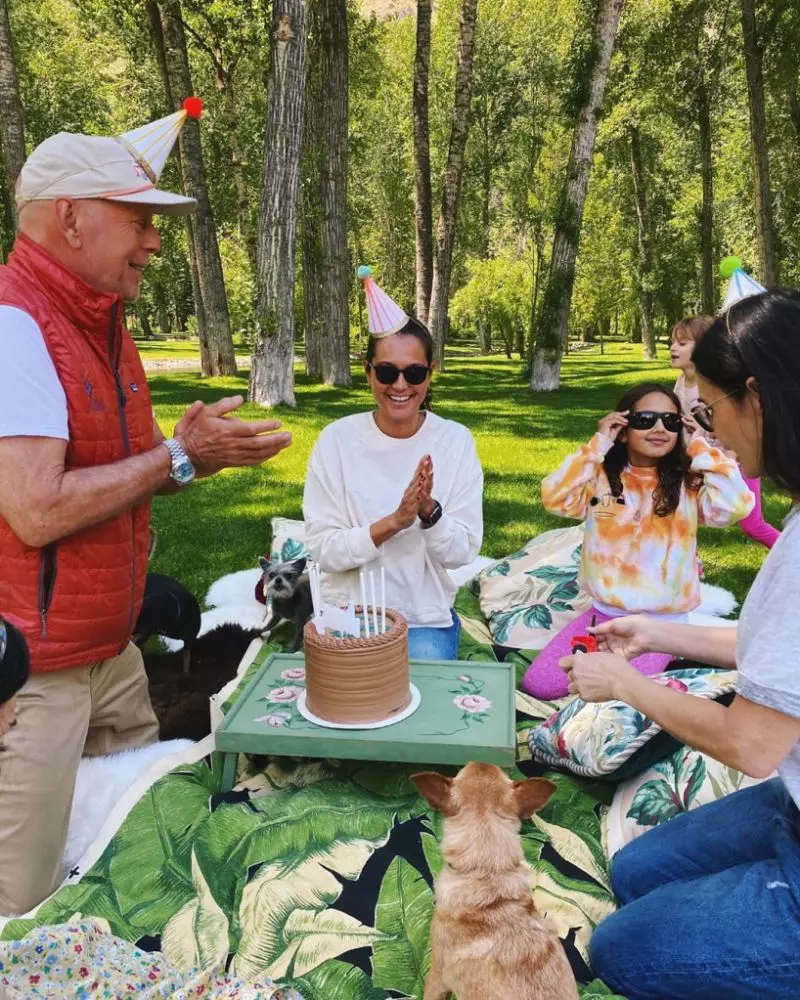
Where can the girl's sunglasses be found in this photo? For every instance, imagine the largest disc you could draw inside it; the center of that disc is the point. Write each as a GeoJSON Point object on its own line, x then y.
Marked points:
{"type": "Point", "coordinates": [388, 374]}
{"type": "Point", "coordinates": [645, 420]}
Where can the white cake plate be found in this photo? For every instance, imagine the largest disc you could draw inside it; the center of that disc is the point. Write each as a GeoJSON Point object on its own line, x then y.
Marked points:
{"type": "Point", "coordinates": [414, 704]}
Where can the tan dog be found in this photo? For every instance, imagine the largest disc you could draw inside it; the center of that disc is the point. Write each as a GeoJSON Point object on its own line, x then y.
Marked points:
{"type": "Point", "coordinates": [487, 940]}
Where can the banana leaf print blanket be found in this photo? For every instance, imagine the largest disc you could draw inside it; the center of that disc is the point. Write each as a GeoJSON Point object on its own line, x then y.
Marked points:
{"type": "Point", "coordinates": [317, 874]}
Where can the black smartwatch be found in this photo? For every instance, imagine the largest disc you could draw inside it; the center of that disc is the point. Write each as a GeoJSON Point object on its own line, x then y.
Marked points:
{"type": "Point", "coordinates": [434, 516]}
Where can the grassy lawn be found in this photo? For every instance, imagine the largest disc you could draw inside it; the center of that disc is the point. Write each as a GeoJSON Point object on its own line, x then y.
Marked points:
{"type": "Point", "coordinates": [222, 524]}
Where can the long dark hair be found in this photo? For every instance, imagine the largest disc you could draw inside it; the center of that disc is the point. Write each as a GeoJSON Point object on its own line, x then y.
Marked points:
{"type": "Point", "coordinates": [413, 328]}
{"type": "Point", "coordinates": [673, 469]}
{"type": "Point", "coordinates": [759, 338]}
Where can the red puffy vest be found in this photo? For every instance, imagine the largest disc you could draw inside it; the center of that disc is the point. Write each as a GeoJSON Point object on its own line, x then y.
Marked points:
{"type": "Point", "coordinates": [76, 600]}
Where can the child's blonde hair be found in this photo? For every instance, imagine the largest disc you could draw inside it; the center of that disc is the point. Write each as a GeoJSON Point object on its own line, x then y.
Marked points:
{"type": "Point", "coordinates": [692, 328]}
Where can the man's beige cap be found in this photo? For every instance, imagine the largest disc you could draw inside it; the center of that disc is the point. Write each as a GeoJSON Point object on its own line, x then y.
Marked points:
{"type": "Point", "coordinates": [125, 168]}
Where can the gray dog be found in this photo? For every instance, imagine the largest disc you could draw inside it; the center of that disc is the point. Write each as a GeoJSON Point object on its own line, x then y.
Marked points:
{"type": "Point", "coordinates": [288, 591]}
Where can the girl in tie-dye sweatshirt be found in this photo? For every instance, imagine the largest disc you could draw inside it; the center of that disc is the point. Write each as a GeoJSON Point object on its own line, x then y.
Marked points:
{"type": "Point", "coordinates": [642, 493]}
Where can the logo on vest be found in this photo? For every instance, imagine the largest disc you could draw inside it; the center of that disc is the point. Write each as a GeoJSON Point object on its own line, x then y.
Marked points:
{"type": "Point", "coordinates": [133, 386]}
{"type": "Point", "coordinates": [95, 405]}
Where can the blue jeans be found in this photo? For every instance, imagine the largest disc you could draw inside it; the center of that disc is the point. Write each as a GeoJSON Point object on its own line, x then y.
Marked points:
{"type": "Point", "coordinates": [435, 643]}
{"type": "Point", "coordinates": [710, 904]}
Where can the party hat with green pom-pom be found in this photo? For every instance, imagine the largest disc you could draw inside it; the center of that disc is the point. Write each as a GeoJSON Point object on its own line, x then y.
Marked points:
{"type": "Point", "coordinates": [384, 315]}
{"type": "Point", "coordinates": [740, 284]}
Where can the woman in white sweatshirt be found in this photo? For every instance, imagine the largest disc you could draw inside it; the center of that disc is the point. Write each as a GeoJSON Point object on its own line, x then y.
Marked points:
{"type": "Point", "coordinates": [398, 487]}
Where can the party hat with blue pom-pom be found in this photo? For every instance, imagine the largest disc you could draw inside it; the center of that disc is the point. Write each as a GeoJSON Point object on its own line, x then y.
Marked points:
{"type": "Point", "coordinates": [740, 285]}
{"type": "Point", "coordinates": [384, 315]}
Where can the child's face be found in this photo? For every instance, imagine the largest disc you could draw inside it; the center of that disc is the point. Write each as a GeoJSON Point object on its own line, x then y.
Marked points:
{"type": "Point", "coordinates": [680, 353]}
{"type": "Point", "coordinates": [647, 446]}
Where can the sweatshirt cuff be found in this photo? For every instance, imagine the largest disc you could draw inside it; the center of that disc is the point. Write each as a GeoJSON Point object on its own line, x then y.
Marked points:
{"type": "Point", "coordinates": [601, 444]}
{"type": "Point", "coordinates": [361, 544]}
{"type": "Point", "coordinates": [436, 531]}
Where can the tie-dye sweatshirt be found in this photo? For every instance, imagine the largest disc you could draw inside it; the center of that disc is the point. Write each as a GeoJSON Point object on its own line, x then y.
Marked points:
{"type": "Point", "coordinates": [633, 559]}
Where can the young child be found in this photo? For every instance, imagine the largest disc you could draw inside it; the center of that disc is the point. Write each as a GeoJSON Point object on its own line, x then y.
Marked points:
{"type": "Point", "coordinates": [684, 336]}
{"type": "Point", "coordinates": [642, 493]}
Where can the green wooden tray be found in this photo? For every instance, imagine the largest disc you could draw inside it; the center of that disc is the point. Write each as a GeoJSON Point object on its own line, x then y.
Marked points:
{"type": "Point", "coordinates": [467, 713]}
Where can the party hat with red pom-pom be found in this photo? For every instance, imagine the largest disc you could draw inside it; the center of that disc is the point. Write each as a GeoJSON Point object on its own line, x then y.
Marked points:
{"type": "Point", "coordinates": [151, 144]}
{"type": "Point", "coordinates": [384, 315]}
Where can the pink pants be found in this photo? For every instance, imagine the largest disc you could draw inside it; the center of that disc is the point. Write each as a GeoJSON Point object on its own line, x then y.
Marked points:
{"type": "Point", "coordinates": [546, 680]}
{"type": "Point", "coordinates": [754, 525]}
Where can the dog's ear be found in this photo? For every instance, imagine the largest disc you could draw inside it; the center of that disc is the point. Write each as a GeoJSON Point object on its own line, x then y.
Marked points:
{"type": "Point", "coordinates": [437, 790]}
{"type": "Point", "coordinates": [530, 795]}
{"type": "Point", "coordinates": [298, 565]}
{"type": "Point", "coordinates": [263, 563]}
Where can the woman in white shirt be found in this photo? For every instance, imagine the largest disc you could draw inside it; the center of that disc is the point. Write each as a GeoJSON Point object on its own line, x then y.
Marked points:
{"type": "Point", "coordinates": [398, 487]}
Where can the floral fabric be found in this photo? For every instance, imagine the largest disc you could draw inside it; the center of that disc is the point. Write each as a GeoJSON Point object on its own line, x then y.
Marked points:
{"type": "Point", "coordinates": [83, 960]}
{"type": "Point", "coordinates": [532, 594]}
{"type": "Point", "coordinates": [685, 780]}
{"type": "Point", "coordinates": [596, 740]}
{"type": "Point", "coordinates": [288, 540]}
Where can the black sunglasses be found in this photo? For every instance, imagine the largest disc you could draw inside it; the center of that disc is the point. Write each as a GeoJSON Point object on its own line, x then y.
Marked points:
{"type": "Point", "coordinates": [644, 420]}
{"type": "Point", "coordinates": [388, 374]}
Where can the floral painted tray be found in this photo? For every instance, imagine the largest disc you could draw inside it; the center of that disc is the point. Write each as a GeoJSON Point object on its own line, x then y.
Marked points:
{"type": "Point", "coordinates": [467, 713]}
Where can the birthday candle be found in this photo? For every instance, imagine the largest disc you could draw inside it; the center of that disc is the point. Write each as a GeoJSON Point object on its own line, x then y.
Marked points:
{"type": "Point", "coordinates": [374, 601]}
{"type": "Point", "coordinates": [383, 599]}
{"type": "Point", "coordinates": [364, 602]}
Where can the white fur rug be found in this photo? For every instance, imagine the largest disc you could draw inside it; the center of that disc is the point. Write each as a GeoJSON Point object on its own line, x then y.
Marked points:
{"type": "Point", "coordinates": [101, 783]}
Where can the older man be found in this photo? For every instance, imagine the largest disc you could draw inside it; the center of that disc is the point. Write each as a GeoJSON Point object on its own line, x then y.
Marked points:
{"type": "Point", "coordinates": [80, 458]}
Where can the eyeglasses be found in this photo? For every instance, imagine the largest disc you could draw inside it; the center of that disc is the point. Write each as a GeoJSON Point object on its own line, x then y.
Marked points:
{"type": "Point", "coordinates": [644, 420]}
{"type": "Point", "coordinates": [388, 374]}
{"type": "Point", "coordinates": [703, 413]}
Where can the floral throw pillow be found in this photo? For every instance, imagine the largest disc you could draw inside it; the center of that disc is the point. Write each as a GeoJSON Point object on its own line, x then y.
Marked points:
{"type": "Point", "coordinates": [288, 540]}
{"type": "Point", "coordinates": [532, 594]}
{"type": "Point", "coordinates": [612, 740]}
{"type": "Point", "coordinates": [681, 782]}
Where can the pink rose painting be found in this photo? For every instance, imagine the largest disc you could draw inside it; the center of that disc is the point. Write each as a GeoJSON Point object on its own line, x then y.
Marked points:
{"type": "Point", "coordinates": [274, 719]}
{"type": "Point", "coordinates": [293, 674]}
{"type": "Point", "coordinates": [472, 703]}
{"type": "Point", "coordinates": [284, 695]}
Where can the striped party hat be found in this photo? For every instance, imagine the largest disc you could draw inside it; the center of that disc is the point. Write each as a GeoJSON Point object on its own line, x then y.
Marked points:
{"type": "Point", "coordinates": [151, 144]}
{"type": "Point", "coordinates": [384, 315]}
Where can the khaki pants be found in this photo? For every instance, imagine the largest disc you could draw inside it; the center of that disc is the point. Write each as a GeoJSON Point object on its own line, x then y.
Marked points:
{"type": "Point", "coordinates": [61, 716]}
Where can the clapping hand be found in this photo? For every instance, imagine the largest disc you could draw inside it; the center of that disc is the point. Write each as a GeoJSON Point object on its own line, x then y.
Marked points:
{"type": "Point", "coordinates": [425, 470]}
{"type": "Point", "coordinates": [213, 440]}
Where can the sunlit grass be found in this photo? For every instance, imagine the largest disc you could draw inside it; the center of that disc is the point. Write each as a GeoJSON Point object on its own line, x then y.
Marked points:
{"type": "Point", "coordinates": [221, 525]}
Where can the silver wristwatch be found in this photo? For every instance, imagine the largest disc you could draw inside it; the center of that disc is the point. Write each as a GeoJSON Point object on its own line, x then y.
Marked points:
{"type": "Point", "coordinates": [182, 471]}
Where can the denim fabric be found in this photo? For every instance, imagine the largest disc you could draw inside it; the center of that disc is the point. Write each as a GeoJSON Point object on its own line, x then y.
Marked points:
{"type": "Point", "coordinates": [435, 643]}
{"type": "Point", "coordinates": [710, 904]}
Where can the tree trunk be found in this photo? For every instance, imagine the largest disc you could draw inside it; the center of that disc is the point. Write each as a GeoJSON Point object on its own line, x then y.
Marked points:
{"type": "Point", "coordinates": [794, 110]}
{"type": "Point", "coordinates": [765, 228]}
{"type": "Point", "coordinates": [423, 211]}
{"type": "Point", "coordinates": [162, 311]}
{"type": "Point", "coordinates": [335, 263]}
{"type": "Point", "coordinates": [451, 182]}
{"type": "Point", "coordinates": [12, 125]}
{"type": "Point", "coordinates": [144, 320]}
{"type": "Point", "coordinates": [216, 344]}
{"type": "Point", "coordinates": [272, 369]}
{"type": "Point", "coordinates": [157, 32]}
{"type": "Point", "coordinates": [484, 337]}
{"type": "Point", "coordinates": [311, 208]}
{"type": "Point", "coordinates": [707, 209]}
{"type": "Point", "coordinates": [645, 250]}
{"type": "Point", "coordinates": [551, 327]}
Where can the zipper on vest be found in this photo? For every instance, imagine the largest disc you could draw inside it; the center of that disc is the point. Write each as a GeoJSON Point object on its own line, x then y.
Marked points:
{"type": "Point", "coordinates": [47, 582]}
{"type": "Point", "coordinates": [114, 355]}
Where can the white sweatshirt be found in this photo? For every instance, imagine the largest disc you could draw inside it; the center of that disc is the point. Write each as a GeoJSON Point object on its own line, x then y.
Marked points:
{"type": "Point", "coordinates": [356, 475]}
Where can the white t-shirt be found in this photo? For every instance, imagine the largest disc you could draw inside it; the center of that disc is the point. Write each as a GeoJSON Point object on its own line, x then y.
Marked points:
{"type": "Point", "coordinates": [32, 399]}
{"type": "Point", "coordinates": [356, 475]}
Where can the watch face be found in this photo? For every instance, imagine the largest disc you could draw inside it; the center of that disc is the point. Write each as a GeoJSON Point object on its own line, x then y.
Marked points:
{"type": "Point", "coordinates": [183, 473]}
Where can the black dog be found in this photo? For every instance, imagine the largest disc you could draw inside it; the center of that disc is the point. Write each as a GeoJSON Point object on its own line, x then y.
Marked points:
{"type": "Point", "coordinates": [286, 587]}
